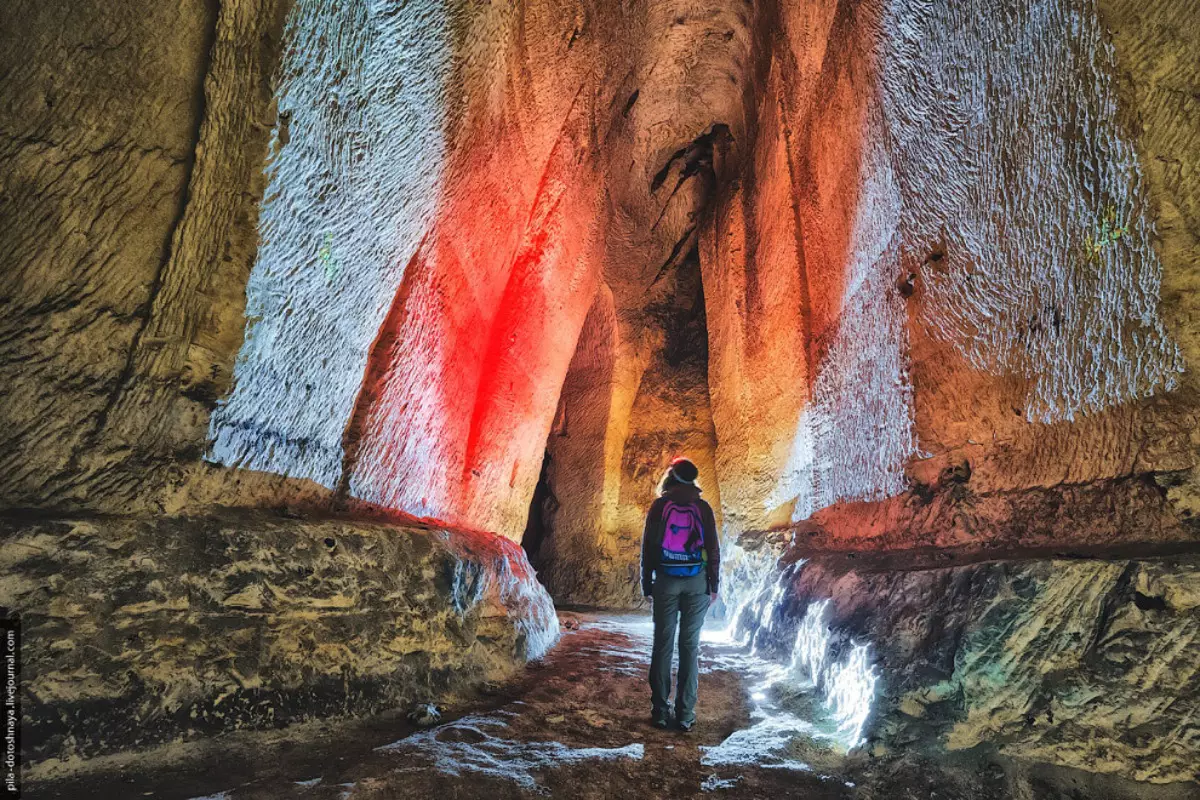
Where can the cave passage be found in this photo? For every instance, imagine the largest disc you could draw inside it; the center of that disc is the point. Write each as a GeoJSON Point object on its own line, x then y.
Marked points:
{"type": "Point", "coordinates": [347, 343]}
{"type": "Point", "coordinates": [601, 471]}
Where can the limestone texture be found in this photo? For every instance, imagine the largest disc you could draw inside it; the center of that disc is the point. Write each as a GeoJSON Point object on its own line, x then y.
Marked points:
{"type": "Point", "coordinates": [969, 268]}
{"type": "Point", "coordinates": [483, 261]}
{"type": "Point", "coordinates": [577, 727]}
{"type": "Point", "coordinates": [133, 137]}
{"type": "Point", "coordinates": [145, 632]}
{"type": "Point", "coordinates": [1084, 663]}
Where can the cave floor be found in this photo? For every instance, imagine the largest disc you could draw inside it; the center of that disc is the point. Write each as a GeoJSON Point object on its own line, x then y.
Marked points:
{"type": "Point", "coordinates": [575, 725]}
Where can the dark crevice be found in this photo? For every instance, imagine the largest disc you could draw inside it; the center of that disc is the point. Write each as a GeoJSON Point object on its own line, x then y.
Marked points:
{"type": "Point", "coordinates": [1147, 602]}
{"type": "Point", "coordinates": [697, 157]}
{"type": "Point", "coordinates": [689, 236]}
{"type": "Point", "coordinates": [1116, 596]}
{"type": "Point", "coordinates": [541, 512]}
{"type": "Point", "coordinates": [686, 330]}
{"type": "Point", "coordinates": [629, 104]}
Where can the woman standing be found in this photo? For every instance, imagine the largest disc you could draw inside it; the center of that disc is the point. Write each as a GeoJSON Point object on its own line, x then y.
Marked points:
{"type": "Point", "coordinates": [681, 564]}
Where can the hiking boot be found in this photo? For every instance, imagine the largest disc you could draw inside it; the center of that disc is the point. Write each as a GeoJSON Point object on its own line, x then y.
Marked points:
{"type": "Point", "coordinates": [660, 719]}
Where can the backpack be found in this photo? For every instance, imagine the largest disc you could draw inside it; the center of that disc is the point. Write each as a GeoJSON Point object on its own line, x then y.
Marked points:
{"type": "Point", "coordinates": [683, 553]}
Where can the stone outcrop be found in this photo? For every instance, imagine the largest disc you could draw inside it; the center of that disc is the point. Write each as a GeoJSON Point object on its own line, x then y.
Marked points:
{"type": "Point", "coordinates": [1138, 510]}
{"type": "Point", "coordinates": [1084, 663]}
{"type": "Point", "coordinates": [139, 632]}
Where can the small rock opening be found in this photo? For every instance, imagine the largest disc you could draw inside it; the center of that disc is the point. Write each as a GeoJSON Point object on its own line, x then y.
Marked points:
{"type": "Point", "coordinates": [541, 513]}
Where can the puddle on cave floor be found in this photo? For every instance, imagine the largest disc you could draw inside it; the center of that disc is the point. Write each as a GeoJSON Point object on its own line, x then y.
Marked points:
{"type": "Point", "coordinates": [575, 725]}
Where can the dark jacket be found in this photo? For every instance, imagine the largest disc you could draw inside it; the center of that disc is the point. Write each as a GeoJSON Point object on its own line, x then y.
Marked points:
{"type": "Point", "coordinates": [653, 535]}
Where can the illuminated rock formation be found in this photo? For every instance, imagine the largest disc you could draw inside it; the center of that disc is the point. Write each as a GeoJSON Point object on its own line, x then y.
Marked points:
{"type": "Point", "coordinates": [1084, 664]}
{"type": "Point", "coordinates": [207, 624]}
{"type": "Point", "coordinates": [895, 274]}
{"type": "Point", "coordinates": [901, 276]}
{"type": "Point", "coordinates": [969, 256]}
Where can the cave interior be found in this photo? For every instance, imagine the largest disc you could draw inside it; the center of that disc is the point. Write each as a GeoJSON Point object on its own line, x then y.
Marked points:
{"type": "Point", "coordinates": [345, 344]}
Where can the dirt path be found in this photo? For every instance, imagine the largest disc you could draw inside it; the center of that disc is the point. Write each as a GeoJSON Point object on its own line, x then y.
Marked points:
{"type": "Point", "coordinates": [573, 726]}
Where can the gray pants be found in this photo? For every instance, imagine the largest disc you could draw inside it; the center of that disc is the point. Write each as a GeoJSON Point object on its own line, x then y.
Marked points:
{"type": "Point", "coordinates": [675, 598]}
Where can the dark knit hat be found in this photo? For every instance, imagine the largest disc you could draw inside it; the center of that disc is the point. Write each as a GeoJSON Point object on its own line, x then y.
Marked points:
{"type": "Point", "coordinates": [684, 470]}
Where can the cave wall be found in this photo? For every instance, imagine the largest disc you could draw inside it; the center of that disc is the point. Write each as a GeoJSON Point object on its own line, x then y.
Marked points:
{"type": "Point", "coordinates": [526, 145]}
{"type": "Point", "coordinates": [444, 314]}
{"type": "Point", "coordinates": [145, 156]}
{"type": "Point", "coordinates": [971, 257]}
{"type": "Point", "coordinates": [1087, 664]}
{"type": "Point", "coordinates": [995, 408]}
{"type": "Point", "coordinates": [432, 237]}
{"type": "Point", "coordinates": [356, 158]}
{"type": "Point", "coordinates": [938, 309]}
{"type": "Point", "coordinates": [870, 328]}
{"type": "Point", "coordinates": [1158, 80]}
{"type": "Point", "coordinates": [134, 139]}
{"type": "Point", "coordinates": [923, 283]}
{"type": "Point", "coordinates": [141, 631]}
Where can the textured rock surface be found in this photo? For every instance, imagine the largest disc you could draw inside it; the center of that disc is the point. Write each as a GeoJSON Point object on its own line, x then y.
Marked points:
{"type": "Point", "coordinates": [566, 119]}
{"type": "Point", "coordinates": [576, 727]}
{"type": "Point", "coordinates": [1127, 511]}
{"type": "Point", "coordinates": [926, 267]}
{"type": "Point", "coordinates": [139, 632]}
{"type": "Point", "coordinates": [133, 141]}
{"type": "Point", "coordinates": [868, 323]}
{"type": "Point", "coordinates": [1085, 663]}
{"type": "Point", "coordinates": [969, 257]}
{"type": "Point", "coordinates": [895, 273]}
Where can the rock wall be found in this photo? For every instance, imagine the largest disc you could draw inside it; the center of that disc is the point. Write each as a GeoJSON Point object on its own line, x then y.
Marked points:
{"type": "Point", "coordinates": [133, 143]}
{"type": "Point", "coordinates": [968, 280]}
{"type": "Point", "coordinates": [869, 327]}
{"type": "Point", "coordinates": [1088, 664]}
{"type": "Point", "coordinates": [989, 256]}
{"type": "Point", "coordinates": [137, 147]}
{"type": "Point", "coordinates": [894, 273]}
{"type": "Point", "coordinates": [538, 149]}
{"type": "Point", "coordinates": [139, 632]}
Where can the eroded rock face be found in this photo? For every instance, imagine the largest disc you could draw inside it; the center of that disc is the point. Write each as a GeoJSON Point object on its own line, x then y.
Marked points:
{"type": "Point", "coordinates": [133, 144]}
{"type": "Point", "coordinates": [553, 148]}
{"type": "Point", "coordinates": [431, 248]}
{"type": "Point", "coordinates": [140, 632]}
{"type": "Point", "coordinates": [1085, 663]}
{"type": "Point", "coordinates": [932, 291]}
{"type": "Point", "coordinates": [968, 266]}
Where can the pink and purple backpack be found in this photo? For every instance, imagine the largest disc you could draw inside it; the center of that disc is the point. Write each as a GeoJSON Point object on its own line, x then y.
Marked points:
{"type": "Point", "coordinates": [683, 552]}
